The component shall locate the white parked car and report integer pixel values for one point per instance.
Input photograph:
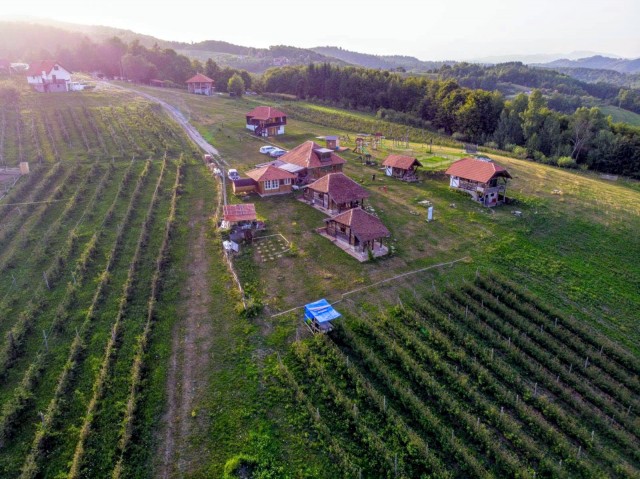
(265, 150)
(233, 174)
(278, 152)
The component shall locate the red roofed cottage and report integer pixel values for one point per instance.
(48, 76)
(314, 160)
(483, 179)
(200, 85)
(271, 180)
(266, 121)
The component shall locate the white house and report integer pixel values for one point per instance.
(48, 76)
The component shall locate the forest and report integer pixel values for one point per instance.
(524, 125)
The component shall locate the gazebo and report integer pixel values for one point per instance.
(200, 85)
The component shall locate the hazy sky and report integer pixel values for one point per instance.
(453, 29)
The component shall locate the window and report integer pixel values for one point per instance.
(55, 67)
(271, 184)
(287, 181)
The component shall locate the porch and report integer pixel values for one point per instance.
(358, 252)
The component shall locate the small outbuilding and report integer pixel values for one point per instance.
(200, 85)
(266, 121)
(481, 178)
(358, 233)
(271, 180)
(319, 315)
(335, 193)
(402, 167)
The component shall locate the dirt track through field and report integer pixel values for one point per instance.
(191, 337)
(189, 357)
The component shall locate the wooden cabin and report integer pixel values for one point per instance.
(200, 85)
(271, 180)
(481, 178)
(313, 160)
(360, 230)
(335, 193)
(403, 167)
(266, 121)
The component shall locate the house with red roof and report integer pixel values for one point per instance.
(313, 161)
(48, 76)
(481, 178)
(200, 85)
(335, 193)
(266, 121)
(402, 167)
(271, 180)
(357, 232)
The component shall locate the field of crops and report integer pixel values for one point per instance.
(85, 243)
(480, 380)
(51, 133)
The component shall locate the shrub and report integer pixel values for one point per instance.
(520, 152)
(240, 466)
(567, 162)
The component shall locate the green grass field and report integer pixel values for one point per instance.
(618, 115)
(262, 393)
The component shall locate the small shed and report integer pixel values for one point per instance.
(244, 186)
(402, 167)
(333, 142)
(319, 315)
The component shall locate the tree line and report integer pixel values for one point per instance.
(524, 125)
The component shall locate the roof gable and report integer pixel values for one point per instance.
(339, 187)
(269, 172)
(36, 69)
(305, 155)
(240, 212)
(363, 225)
(265, 112)
(199, 78)
(477, 170)
(401, 161)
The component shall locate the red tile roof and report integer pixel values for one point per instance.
(199, 78)
(36, 69)
(265, 113)
(477, 170)
(269, 172)
(339, 187)
(242, 212)
(363, 225)
(305, 156)
(401, 161)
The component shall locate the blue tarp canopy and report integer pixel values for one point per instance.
(320, 311)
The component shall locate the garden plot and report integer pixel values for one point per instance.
(271, 248)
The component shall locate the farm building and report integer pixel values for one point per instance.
(402, 167)
(266, 121)
(271, 180)
(357, 232)
(48, 76)
(483, 179)
(313, 160)
(335, 193)
(200, 85)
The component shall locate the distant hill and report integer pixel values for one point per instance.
(597, 62)
(536, 58)
(592, 75)
(383, 62)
